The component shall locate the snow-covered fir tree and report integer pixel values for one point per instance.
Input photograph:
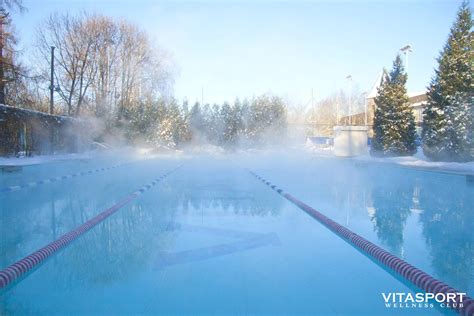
(172, 130)
(460, 128)
(164, 123)
(142, 119)
(245, 115)
(394, 122)
(238, 117)
(447, 118)
(185, 108)
(197, 123)
(206, 113)
(215, 125)
(266, 120)
(229, 131)
(196, 120)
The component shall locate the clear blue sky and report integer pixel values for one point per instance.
(245, 48)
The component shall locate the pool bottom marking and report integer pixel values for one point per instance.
(20, 268)
(408, 272)
(246, 241)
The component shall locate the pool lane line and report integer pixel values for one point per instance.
(408, 272)
(20, 268)
(58, 178)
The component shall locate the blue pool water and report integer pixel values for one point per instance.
(211, 239)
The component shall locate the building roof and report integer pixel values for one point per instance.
(415, 94)
(418, 104)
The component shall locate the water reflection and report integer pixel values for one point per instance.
(229, 193)
(443, 206)
(127, 243)
(117, 249)
(448, 227)
(423, 217)
(391, 204)
(240, 241)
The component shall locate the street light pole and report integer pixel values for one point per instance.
(349, 77)
(51, 97)
(405, 50)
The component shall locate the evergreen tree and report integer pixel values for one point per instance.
(377, 145)
(215, 125)
(143, 119)
(277, 118)
(206, 113)
(185, 108)
(394, 122)
(459, 130)
(238, 120)
(229, 131)
(256, 120)
(447, 119)
(172, 130)
(183, 131)
(196, 120)
(166, 123)
(245, 115)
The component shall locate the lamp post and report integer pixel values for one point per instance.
(51, 87)
(405, 50)
(349, 78)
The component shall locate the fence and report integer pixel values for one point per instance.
(27, 132)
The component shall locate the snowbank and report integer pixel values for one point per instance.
(418, 161)
(35, 160)
(103, 151)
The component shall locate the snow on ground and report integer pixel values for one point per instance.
(102, 152)
(418, 161)
(34, 160)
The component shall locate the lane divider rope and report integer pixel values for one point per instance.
(59, 178)
(16, 270)
(408, 272)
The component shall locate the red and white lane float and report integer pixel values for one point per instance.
(18, 269)
(408, 272)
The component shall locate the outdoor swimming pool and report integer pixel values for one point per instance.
(210, 238)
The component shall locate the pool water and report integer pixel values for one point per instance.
(211, 239)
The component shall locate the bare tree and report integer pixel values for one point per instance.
(12, 5)
(105, 87)
(104, 66)
(134, 56)
(76, 42)
(11, 71)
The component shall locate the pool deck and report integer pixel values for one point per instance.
(435, 167)
(11, 162)
(409, 162)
